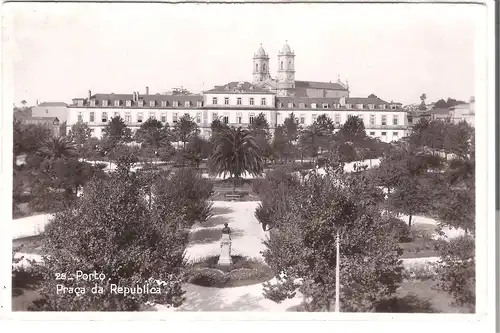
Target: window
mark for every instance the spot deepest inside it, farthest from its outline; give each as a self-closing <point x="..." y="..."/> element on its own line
<point x="174" y="117"/>
<point x="395" y="135"/>
<point x="313" y="105"/>
<point x="163" y="117"/>
<point x="214" y="116"/>
<point x="214" y="100"/>
<point x="282" y="105"/>
<point x="384" y="133"/>
<point x="251" y="100"/>
<point x="251" y="118"/>
<point x="198" y="117"/>
<point x="129" y="103"/>
<point x="302" y="119"/>
<point x="325" y="105"/>
<point x="80" y="102"/>
<point x="382" y="106"/>
<point x="152" y="115"/>
<point x="371" y="106"/>
<point x="46" y="110"/>
<point x="337" y="119"/>
<point x="175" y="104"/>
<point x="92" y="132"/>
<point x="302" y="105"/>
<point x="264" y="67"/>
<point x="139" y="117"/>
<point x="187" y="104"/>
<point x="290" y="105"/>
<point x="372" y="133"/>
<point x="256" y="67"/>
<point x="372" y="119"/>
<point x="117" y="103"/>
<point x="92" y="116"/>
<point x="314" y="117"/>
<point x="104" y="117"/>
<point x="393" y="107"/>
<point x="128" y="119"/>
<point x="225" y="119"/>
<point x="141" y="103"/>
<point x="263" y="101"/>
<point x="348" y="106"/>
<point x="281" y="65"/>
<point x="163" y="104"/>
<point x="80" y="117"/>
<point x="92" y="102"/>
<point x="384" y="120"/>
<point x="238" y="117"/>
<point x="359" y="106"/>
<point x="395" y="119"/>
<point x="117" y="114"/>
<point x="238" y="101"/>
<point x="199" y="104"/>
<point x="104" y="103"/>
<point x="152" y="104"/>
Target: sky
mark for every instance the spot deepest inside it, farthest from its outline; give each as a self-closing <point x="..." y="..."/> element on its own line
<point x="397" y="51"/>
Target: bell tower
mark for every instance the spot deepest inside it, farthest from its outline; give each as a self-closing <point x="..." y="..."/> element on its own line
<point x="286" y="70"/>
<point x="260" y="66"/>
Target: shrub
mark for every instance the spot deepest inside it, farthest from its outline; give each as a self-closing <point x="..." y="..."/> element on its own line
<point x="419" y="271"/>
<point x="208" y="277"/>
<point x="401" y="230"/>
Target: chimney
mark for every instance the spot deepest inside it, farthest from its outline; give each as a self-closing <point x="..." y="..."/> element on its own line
<point x="90" y="94"/>
<point x="147" y="90"/>
<point x="36" y="102"/>
<point x="136" y="96"/>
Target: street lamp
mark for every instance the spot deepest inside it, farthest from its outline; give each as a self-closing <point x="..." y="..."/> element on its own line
<point x="337" y="275"/>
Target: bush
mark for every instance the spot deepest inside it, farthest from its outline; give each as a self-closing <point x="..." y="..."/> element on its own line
<point x="208" y="277"/>
<point x="419" y="271"/>
<point x="401" y="230"/>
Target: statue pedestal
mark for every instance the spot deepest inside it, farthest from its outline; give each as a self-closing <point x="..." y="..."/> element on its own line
<point x="225" y="251"/>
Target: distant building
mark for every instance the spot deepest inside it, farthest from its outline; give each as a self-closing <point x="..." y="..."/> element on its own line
<point x="239" y="103"/>
<point x="464" y="112"/>
<point x="50" y="122"/>
<point x="51" y="110"/>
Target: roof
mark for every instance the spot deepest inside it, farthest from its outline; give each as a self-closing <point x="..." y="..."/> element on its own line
<point x="320" y="85"/>
<point x="286" y="49"/>
<point x="440" y="111"/>
<point x="242" y="87"/>
<point x="261" y="52"/>
<point x="365" y="100"/>
<point x="146" y="98"/>
<point x="307" y="100"/>
<point x="41" y="120"/>
<point x="53" y="104"/>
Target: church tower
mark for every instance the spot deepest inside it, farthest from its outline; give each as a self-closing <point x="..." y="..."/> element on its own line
<point x="260" y="66"/>
<point x="286" y="70"/>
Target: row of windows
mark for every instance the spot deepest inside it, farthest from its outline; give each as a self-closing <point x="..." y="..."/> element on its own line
<point x="251" y="101"/>
<point x="140" y="103"/>
<point x="128" y="117"/>
<point x="336" y="119"/>
<point x="394" y="134"/>
<point x="292" y="105"/>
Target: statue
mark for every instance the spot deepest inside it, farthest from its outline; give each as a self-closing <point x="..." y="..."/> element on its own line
<point x="225" y="246"/>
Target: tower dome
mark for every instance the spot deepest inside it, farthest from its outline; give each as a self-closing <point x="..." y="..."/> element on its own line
<point x="261" y="52"/>
<point x="286" y="49"/>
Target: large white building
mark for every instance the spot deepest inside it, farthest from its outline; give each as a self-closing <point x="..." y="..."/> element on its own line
<point x="238" y="103"/>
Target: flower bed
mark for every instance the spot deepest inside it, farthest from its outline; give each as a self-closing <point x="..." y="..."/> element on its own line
<point x="242" y="272"/>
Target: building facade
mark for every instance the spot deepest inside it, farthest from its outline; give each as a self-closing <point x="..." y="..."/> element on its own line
<point x="238" y="103"/>
<point x="57" y="110"/>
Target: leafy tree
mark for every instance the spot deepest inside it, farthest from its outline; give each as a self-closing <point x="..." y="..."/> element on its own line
<point x="422" y="106"/>
<point x="215" y="128"/>
<point x="62" y="128"/>
<point x="116" y="132"/>
<point x="28" y="138"/>
<point x="353" y="130"/>
<point x="311" y="140"/>
<point x="185" y="129"/>
<point x="235" y="152"/>
<point x="154" y="138"/>
<point x="260" y="131"/>
<point x="197" y="150"/>
<point x="456" y="270"/>
<point x="80" y="134"/>
<point x="302" y="247"/>
<point x="291" y="128"/>
<point x="279" y="145"/>
<point x="118" y="237"/>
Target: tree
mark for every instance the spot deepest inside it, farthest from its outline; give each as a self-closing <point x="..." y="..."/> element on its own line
<point x="197" y="150"/>
<point x="80" y="134"/>
<point x="279" y="145"/>
<point x="291" y="128"/>
<point x="456" y="270"/>
<point x="215" y="128"/>
<point x="116" y="132"/>
<point x="132" y="247"/>
<point x="62" y="128"/>
<point x="259" y="129"/>
<point x="154" y="138"/>
<point x="422" y="106"/>
<point x="28" y="139"/>
<point x="24" y="103"/>
<point x="185" y="129"/>
<point x="353" y="130"/>
<point x="302" y="251"/>
<point x="55" y="148"/>
<point x="235" y="152"/>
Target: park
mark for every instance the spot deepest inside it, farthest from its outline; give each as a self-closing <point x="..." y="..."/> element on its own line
<point x="247" y="219"/>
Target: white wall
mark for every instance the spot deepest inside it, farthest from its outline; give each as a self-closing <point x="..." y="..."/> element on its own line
<point x="245" y="100"/>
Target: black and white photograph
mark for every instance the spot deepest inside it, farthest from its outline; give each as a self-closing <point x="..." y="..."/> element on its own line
<point x="271" y="158"/>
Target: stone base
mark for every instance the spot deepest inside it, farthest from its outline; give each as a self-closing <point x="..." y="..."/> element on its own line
<point x="224" y="261"/>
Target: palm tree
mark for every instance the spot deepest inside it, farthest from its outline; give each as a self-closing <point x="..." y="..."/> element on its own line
<point x="57" y="147"/>
<point x="235" y="151"/>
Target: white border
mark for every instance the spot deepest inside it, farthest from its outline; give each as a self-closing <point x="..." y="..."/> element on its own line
<point x="483" y="319"/>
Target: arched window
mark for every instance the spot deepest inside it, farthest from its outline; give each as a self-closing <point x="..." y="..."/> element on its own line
<point x="282" y="65"/>
<point x="256" y="67"/>
<point x="264" y="67"/>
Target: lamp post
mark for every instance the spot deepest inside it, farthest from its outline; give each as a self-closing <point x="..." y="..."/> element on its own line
<point x="337" y="276"/>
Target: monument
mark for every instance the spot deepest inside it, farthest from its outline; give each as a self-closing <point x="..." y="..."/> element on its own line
<point x="225" y="247"/>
